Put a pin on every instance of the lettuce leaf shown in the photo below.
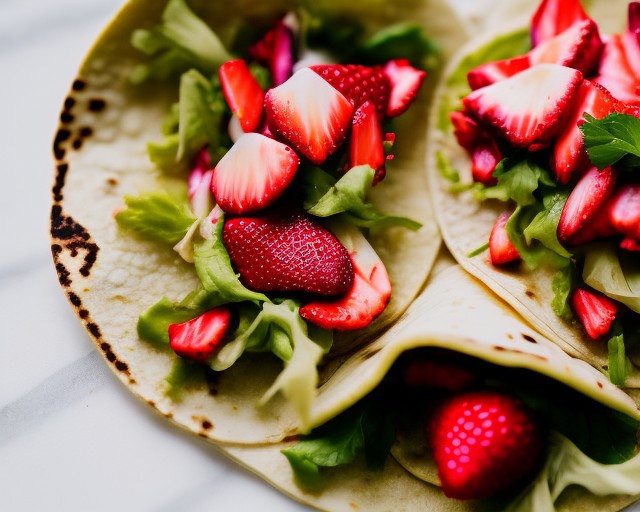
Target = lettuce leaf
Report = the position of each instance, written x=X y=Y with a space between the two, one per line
x=566 y=465
x=180 y=42
x=153 y=324
x=613 y=139
x=619 y=364
x=157 y=216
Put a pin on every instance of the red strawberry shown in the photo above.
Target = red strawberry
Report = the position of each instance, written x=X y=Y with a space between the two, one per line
x=597 y=227
x=554 y=17
x=275 y=50
x=199 y=184
x=482 y=148
x=309 y=114
x=253 y=173
x=405 y=83
x=199 y=338
x=528 y=107
x=624 y=210
x=629 y=244
x=595 y=310
x=570 y=157
x=483 y=443
x=491 y=72
x=366 y=147
x=367 y=298
x=438 y=374
x=616 y=74
x=578 y=47
x=501 y=249
x=358 y=83
x=591 y=191
x=288 y=251
x=243 y=93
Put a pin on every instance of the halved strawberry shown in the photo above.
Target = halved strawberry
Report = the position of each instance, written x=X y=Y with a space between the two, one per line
x=631 y=37
x=483 y=443
x=253 y=173
x=589 y=194
x=480 y=146
x=491 y=72
x=199 y=184
x=597 y=227
x=405 y=83
x=243 y=93
x=616 y=74
x=554 y=17
x=578 y=47
x=358 y=83
x=595 y=310
x=275 y=50
x=367 y=298
x=501 y=249
x=570 y=157
x=288 y=251
x=309 y=114
x=528 y=107
x=199 y=338
x=438 y=374
x=624 y=210
x=365 y=146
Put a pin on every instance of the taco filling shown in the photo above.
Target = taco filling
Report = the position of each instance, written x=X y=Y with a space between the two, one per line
x=549 y=130
x=277 y=143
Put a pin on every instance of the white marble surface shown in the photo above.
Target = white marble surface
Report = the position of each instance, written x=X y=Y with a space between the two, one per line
x=72 y=438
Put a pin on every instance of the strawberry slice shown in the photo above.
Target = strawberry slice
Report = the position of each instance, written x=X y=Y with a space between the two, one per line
x=288 y=251
x=629 y=244
x=595 y=310
x=599 y=226
x=275 y=50
x=405 y=83
x=366 y=145
x=501 y=249
x=616 y=74
x=199 y=338
x=624 y=210
x=570 y=156
x=528 y=107
x=480 y=146
x=358 y=83
x=367 y=298
x=491 y=72
x=243 y=93
x=253 y=173
x=483 y=443
x=309 y=114
x=554 y=17
x=589 y=194
x=578 y=47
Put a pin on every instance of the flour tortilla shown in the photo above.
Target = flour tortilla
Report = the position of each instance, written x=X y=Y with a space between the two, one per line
x=466 y=223
x=458 y=313
x=110 y=276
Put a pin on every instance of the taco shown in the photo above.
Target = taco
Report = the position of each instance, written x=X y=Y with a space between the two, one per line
x=521 y=164
x=167 y=94
x=424 y=419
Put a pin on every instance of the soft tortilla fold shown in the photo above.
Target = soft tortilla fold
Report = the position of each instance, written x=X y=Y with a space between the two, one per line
x=458 y=313
x=465 y=222
x=110 y=277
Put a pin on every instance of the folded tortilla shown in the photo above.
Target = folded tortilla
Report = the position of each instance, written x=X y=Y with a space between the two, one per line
x=465 y=222
x=111 y=277
x=458 y=313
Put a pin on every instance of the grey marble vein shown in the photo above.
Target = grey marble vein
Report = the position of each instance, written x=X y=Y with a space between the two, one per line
x=55 y=393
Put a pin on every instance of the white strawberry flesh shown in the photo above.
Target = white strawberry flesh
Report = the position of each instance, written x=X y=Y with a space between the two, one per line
x=554 y=17
x=253 y=174
x=405 y=81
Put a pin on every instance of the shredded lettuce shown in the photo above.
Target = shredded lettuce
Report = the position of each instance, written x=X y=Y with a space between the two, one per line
x=348 y=196
x=563 y=284
x=544 y=225
x=566 y=465
x=619 y=364
x=180 y=42
x=158 y=216
x=613 y=139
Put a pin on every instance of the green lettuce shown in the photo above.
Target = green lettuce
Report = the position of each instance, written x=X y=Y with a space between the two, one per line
x=153 y=324
x=158 y=216
x=180 y=42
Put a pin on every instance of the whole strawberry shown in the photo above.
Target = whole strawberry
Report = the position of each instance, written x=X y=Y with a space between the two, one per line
x=288 y=251
x=483 y=442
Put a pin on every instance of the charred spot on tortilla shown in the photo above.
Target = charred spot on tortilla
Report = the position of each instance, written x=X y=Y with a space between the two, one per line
x=69 y=102
x=62 y=135
x=528 y=338
x=207 y=425
x=97 y=104
x=368 y=354
x=86 y=131
x=74 y=299
x=83 y=314
x=61 y=176
x=530 y=294
x=112 y=182
x=79 y=84
x=151 y=403
x=509 y=336
x=74 y=238
x=66 y=117
x=77 y=143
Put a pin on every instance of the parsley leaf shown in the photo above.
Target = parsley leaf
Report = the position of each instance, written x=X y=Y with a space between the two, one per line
x=613 y=139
